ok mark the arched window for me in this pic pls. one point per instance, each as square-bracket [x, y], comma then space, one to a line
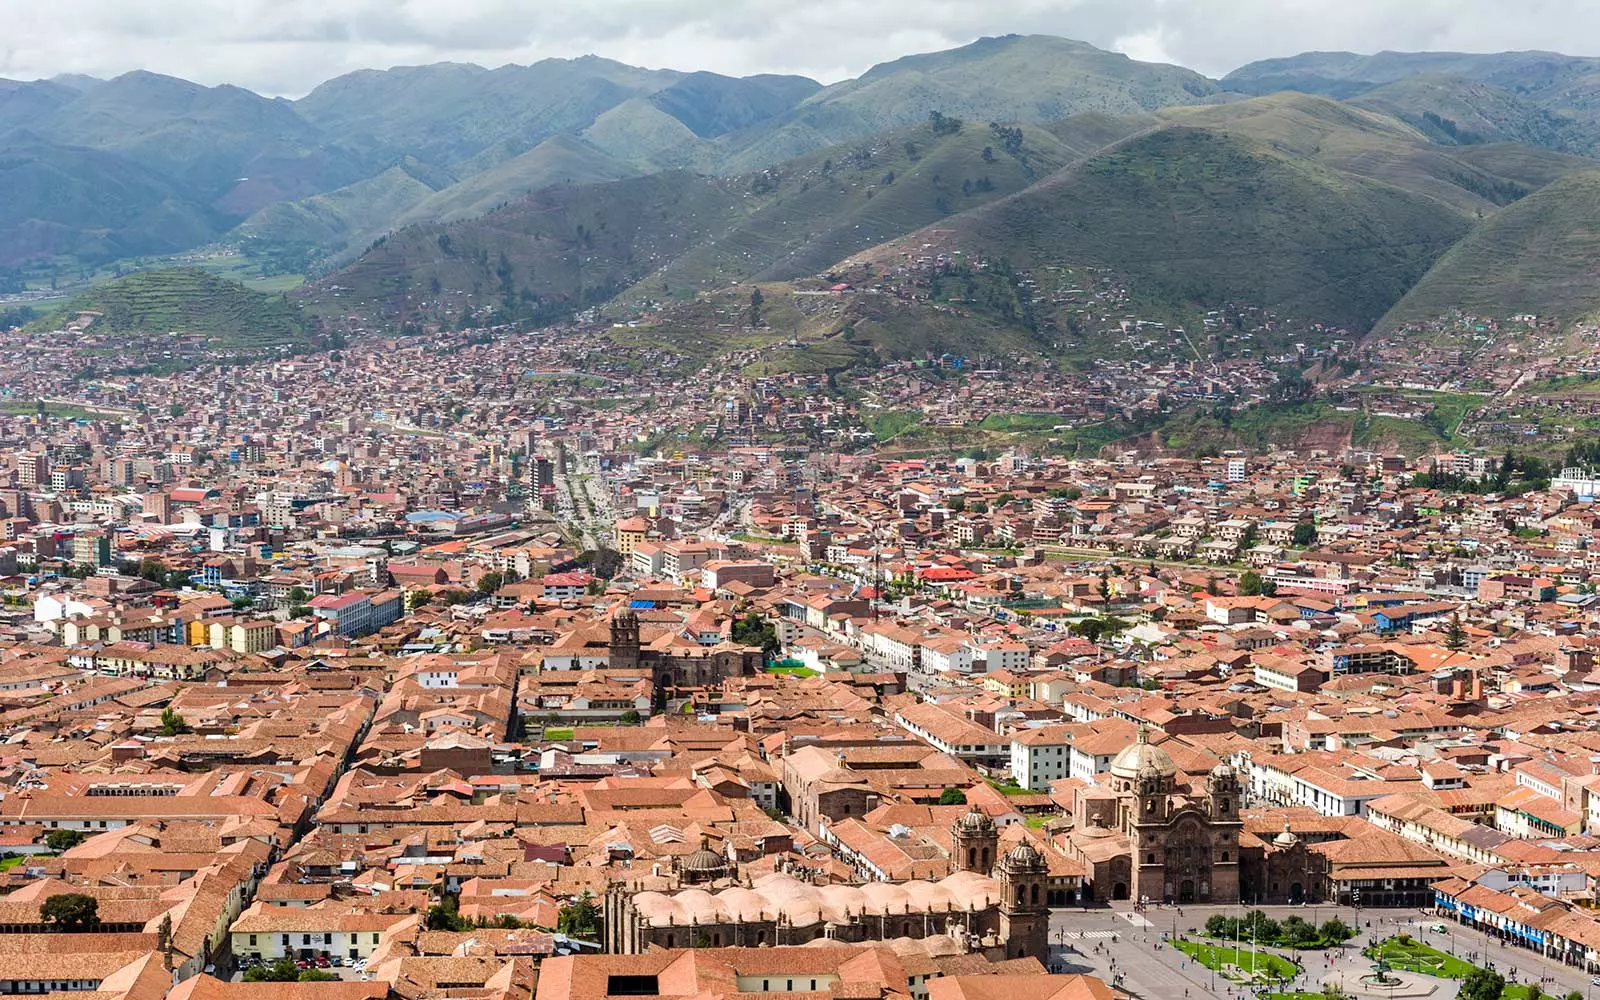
[972, 857]
[1035, 894]
[1022, 894]
[669, 940]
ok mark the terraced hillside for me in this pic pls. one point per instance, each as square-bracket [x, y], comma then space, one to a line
[190, 301]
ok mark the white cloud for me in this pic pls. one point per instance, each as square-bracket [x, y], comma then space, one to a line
[288, 46]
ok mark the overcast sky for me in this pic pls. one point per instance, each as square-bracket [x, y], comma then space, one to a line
[286, 47]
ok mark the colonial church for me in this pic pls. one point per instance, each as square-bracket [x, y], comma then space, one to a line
[671, 659]
[1144, 834]
[991, 903]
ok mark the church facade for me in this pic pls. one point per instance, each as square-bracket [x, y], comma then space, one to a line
[1144, 834]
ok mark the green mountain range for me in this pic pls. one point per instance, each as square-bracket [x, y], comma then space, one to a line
[1331, 188]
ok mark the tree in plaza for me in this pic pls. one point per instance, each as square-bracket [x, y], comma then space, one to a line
[952, 796]
[1482, 984]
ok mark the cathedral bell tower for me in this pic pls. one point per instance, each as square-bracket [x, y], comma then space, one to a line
[1024, 907]
[974, 842]
[625, 640]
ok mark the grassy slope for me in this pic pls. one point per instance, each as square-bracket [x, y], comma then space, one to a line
[559, 160]
[1029, 79]
[1541, 255]
[1298, 204]
[828, 333]
[1198, 217]
[825, 206]
[1469, 112]
[583, 242]
[186, 300]
[337, 218]
[90, 203]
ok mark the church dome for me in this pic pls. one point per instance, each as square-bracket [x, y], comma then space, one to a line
[1286, 839]
[1222, 770]
[704, 861]
[1024, 856]
[975, 822]
[1143, 759]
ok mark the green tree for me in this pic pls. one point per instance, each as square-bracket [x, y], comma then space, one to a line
[63, 840]
[756, 302]
[298, 595]
[1334, 930]
[754, 630]
[1482, 984]
[1305, 533]
[952, 796]
[630, 717]
[1455, 637]
[1298, 931]
[579, 918]
[172, 724]
[70, 911]
[316, 976]
[281, 971]
[445, 916]
[1250, 584]
[490, 582]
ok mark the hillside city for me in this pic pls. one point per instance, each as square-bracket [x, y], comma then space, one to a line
[1023, 521]
[486, 664]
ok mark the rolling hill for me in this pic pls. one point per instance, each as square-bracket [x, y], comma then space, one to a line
[234, 150]
[1296, 204]
[448, 112]
[1453, 111]
[190, 301]
[543, 256]
[820, 208]
[1539, 256]
[92, 205]
[338, 219]
[672, 234]
[561, 159]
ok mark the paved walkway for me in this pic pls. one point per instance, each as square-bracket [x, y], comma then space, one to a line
[1112, 942]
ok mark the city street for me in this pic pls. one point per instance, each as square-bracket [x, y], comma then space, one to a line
[1082, 941]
